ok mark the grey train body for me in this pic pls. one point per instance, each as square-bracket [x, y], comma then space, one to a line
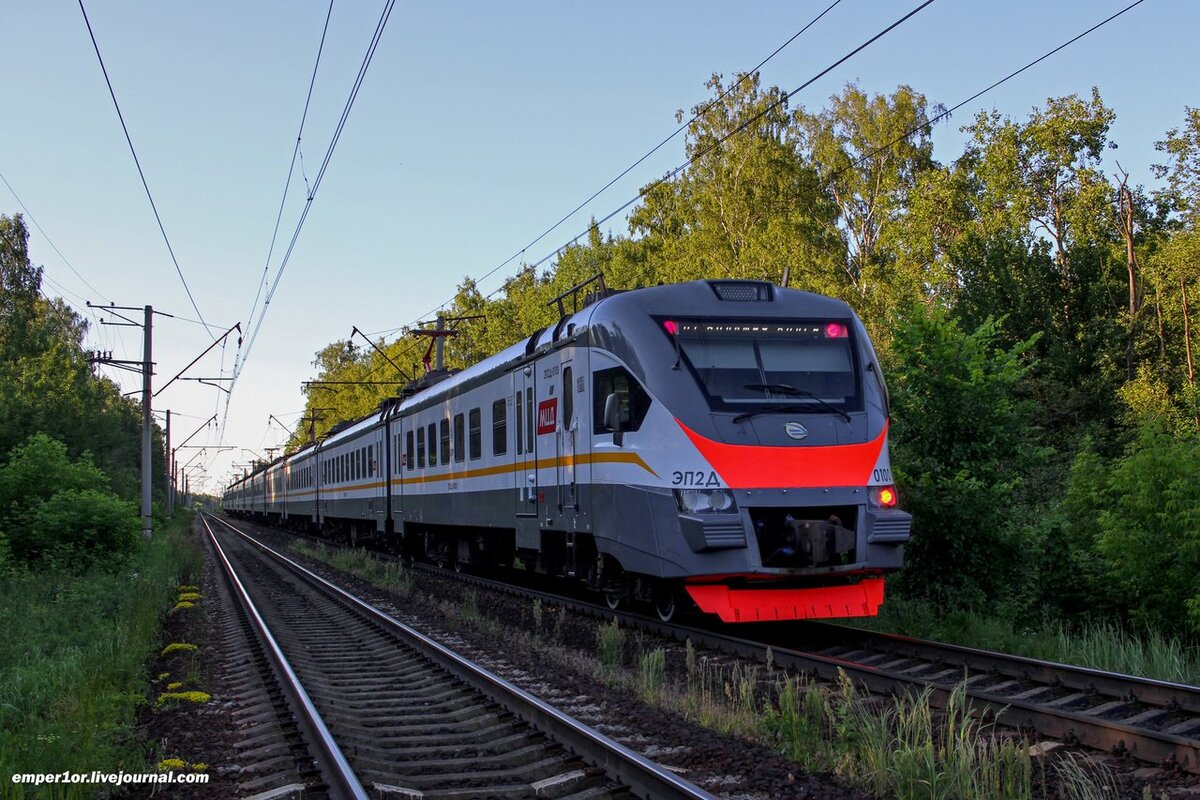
[713, 432]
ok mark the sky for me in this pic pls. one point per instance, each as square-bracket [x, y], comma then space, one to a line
[477, 127]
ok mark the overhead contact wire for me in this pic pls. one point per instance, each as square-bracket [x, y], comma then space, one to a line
[362, 72]
[656, 147]
[142, 174]
[292, 166]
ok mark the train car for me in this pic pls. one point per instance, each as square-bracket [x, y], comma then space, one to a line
[352, 502]
[300, 500]
[717, 443]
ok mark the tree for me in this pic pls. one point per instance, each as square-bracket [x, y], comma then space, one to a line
[962, 441]
[1145, 515]
[1041, 251]
[748, 206]
[870, 153]
[46, 382]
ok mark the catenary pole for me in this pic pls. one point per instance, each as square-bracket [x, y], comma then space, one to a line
[147, 422]
[167, 465]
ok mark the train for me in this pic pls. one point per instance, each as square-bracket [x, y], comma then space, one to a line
[720, 445]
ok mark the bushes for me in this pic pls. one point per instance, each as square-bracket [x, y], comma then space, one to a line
[87, 523]
[56, 510]
[1142, 510]
[963, 439]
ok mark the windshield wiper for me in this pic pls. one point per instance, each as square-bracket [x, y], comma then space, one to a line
[790, 391]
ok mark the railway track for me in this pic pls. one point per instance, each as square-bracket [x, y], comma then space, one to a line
[387, 712]
[1153, 721]
[1156, 722]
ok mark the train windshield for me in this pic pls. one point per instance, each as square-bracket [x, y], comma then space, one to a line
[749, 364]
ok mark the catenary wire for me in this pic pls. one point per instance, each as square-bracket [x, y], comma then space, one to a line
[698, 155]
[142, 174]
[50, 241]
[244, 354]
[876, 151]
[783, 99]
[362, 71]
[927, 124]
[657, 147]
[292, 166]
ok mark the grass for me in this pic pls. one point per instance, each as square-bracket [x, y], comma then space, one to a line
[73, 659]
[891, 747]
[1098, 644]
[1080, 778]
[610, 646]
[390, 575]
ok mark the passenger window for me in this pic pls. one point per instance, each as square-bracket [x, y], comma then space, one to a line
[475, 426]
[432, 437]
[421, 448]
[445, 441]
[460, 449]
[408, 449]
[499, 428]
[634, 402]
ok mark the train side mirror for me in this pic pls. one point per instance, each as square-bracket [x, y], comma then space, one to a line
[612, 418]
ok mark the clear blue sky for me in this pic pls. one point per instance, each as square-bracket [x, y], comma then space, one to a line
[478, 126]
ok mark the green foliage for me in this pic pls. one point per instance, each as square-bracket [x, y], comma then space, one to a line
[1145, 512]
[610, 646]
[72, 661]
[962, 441]
[46, 382]
[86, 524]
[1182, 147]
[58, 510]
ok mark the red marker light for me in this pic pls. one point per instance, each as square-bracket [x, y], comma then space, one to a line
[671, 326]
[836, 330]
[885, 497]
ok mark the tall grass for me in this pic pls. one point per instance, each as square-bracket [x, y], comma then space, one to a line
[1099, 644]
[610, 646]
[1080, 778]
[72, 662]
[390, 575]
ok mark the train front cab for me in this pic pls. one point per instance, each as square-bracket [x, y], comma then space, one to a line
[763, 504]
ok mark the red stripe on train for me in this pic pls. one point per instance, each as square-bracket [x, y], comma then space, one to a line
[768, 467]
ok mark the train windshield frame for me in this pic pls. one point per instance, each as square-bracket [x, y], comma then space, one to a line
[751, 364]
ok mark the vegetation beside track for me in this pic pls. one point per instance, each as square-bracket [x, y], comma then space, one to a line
[74, 655]
[1100, 643]
[898, 747]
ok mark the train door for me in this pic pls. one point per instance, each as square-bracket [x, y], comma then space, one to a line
[566, 432]
[525, 473]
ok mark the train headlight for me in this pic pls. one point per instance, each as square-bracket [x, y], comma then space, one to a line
[883, 497]
[705, 501]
